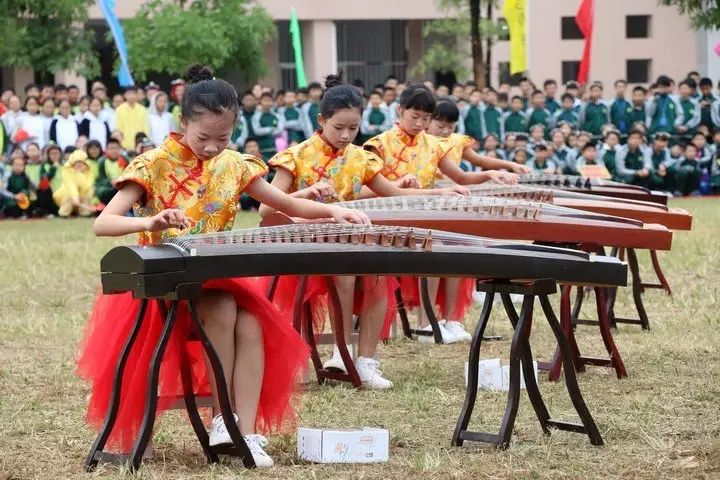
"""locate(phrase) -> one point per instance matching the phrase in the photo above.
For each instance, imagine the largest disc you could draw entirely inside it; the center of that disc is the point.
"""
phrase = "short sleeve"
(253, 168)
(374, 145)
(284, 160)
(373, 166)
(138, 172)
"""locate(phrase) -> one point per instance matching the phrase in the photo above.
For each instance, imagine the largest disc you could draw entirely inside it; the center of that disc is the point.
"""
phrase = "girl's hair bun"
(197, 73)
(333, 80)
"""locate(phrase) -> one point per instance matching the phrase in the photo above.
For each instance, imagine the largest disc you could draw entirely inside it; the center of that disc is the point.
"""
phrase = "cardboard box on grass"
(492, 375)
(365, 445)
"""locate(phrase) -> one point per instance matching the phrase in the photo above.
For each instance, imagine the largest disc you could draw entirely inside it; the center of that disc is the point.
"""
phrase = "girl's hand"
(320, 191)
(345, 215)
(169, 218)
(520, 169)
(498, 176)
(457, 190)
(407, 181)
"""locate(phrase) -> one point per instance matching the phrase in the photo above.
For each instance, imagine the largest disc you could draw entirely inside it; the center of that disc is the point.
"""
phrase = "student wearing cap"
(595, 113)
(541, 162)
(537, 113)
(634, 164)
(566, 113)
(662, 177)
(663, 112)
(516, 119)
(620, 109)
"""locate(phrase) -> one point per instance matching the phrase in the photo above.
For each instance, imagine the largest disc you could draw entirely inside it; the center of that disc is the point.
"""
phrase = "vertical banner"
(297, 49)
(108, 8)
(514, 12)
(584, 19)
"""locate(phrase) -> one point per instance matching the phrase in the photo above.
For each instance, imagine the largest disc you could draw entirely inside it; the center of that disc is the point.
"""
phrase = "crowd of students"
(61, 152)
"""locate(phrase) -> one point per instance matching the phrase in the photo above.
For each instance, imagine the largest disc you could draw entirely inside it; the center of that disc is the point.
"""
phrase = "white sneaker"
(335, 364)
(218, 431)
(369, 371)
(256, 443)
(447, 336)
(458, 329)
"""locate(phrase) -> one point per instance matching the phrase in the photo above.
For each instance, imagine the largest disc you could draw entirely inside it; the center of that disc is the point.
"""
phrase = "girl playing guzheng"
(188, 185)
(408, 148)
(328, 167)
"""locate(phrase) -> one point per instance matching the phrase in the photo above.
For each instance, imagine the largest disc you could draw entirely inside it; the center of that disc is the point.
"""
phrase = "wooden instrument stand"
(520, 352)
(189, 293)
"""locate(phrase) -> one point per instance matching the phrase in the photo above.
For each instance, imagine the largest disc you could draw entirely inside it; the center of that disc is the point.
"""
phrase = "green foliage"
(166, 37)
(704, 14)
(448, 38)
(47, 36)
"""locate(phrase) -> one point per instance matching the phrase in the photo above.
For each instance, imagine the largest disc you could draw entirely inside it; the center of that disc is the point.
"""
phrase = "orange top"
(315, 160)
(206, 191)
(404, 154)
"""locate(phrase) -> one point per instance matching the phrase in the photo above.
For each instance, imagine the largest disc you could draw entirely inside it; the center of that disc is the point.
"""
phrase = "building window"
(569, 29)
(637, 26)
(286, 56)
(570, 69)
(638, 71)
(504, 30)
(505, 77)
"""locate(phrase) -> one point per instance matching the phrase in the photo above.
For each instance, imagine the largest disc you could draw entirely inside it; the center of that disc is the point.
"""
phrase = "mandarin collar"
(404, 136)
(179, 151)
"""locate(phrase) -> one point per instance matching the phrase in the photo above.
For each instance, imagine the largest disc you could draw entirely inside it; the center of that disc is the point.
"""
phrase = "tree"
(703, 13)
(168, 35)
(47, 36)
(447, 50)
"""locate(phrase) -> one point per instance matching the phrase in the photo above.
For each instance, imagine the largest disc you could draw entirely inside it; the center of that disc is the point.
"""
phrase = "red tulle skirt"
(411, 297)
(368, 291)
(110, 323)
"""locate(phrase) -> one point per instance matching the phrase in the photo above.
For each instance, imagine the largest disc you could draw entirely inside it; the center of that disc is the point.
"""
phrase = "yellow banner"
(514, 12)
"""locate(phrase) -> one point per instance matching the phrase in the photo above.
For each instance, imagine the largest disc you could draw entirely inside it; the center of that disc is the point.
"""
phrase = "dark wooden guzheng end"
(594, 186)
(645, 211)
(173, 272)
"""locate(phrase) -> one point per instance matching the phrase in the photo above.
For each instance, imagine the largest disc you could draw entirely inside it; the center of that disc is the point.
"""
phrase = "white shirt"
(34, 125)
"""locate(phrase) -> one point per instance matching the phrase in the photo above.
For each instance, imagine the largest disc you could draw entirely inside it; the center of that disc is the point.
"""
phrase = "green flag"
(297, 48)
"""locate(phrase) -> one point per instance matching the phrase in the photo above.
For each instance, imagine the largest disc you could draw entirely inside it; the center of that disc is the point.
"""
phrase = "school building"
(371, 39)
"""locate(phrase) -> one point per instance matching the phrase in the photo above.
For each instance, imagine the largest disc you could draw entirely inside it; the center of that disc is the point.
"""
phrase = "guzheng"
(333, 249)
(594, 186)
(646, 212)
(506, 218)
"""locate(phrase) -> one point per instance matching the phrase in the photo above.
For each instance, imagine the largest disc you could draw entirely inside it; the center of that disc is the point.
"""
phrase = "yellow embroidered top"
(455, 144)
(206, 191)
(315, 160)
(404, 154)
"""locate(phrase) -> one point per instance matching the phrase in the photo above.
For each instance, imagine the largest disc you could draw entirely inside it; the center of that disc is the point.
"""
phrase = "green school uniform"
(638, 114)
(687, 176)
(292, 114)
(473, 123)
(569, 116)
(491, 121)
(516, 122)
(621, 115)
(656, 180)
(595, 116)
(248, 118)
(108, 171)
(689, 108)
(541, 116)
(663, 120)
(552, 105)
(267, 142)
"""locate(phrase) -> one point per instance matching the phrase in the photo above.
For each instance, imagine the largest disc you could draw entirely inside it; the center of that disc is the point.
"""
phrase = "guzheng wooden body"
(594, 186)
(507, 219)
(332, 249)
(646, 212)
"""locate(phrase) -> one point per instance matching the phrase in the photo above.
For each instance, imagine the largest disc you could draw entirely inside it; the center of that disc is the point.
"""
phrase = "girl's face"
(80, 166)
(161, 102)
(117, 100)
(699, 141)
(95, 106)
(54, 155)
(14, 103)
(441, 128)
(84, 105)
(537, 134)
(33, 153)
(207, 134)
(94, 152)
(413, 121)
(521, 157)
(48, 108)
(510, 142)
(18, 166)
(612, 140)
(558, 138)
(65, 108)
(342, 128)
(32, 106)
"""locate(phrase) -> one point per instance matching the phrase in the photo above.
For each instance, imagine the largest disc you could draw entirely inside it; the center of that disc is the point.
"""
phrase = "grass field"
(661, 422)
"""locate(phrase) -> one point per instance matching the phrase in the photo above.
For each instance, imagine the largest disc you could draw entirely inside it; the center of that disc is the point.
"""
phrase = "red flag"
(584, 20)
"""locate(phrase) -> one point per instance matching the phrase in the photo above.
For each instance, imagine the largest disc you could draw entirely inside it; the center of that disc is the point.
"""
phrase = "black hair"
(619, 81)
(31, 97)
(549, 81)
(314, 86)
(60, 87)
(689, 82)
(52, 146)
(205, 93)
(140, 137)
(536, 92)
(418, 97)
(93, 143)
(612, 132)
(636, 131)
(653, 86)
(640, 88)
(64, 100)
(358, 83)
(131, 88)
(664, 81)
(596, 85)
(502, 97)
(567, 96)
(516, 97)
(338, 96)
(705, 82)
(390, 77)
(374, 92)
(86, 97)
(73, 86)
(266, 95)
(30, 86)
(303, 90)
(388, 89)
(690, 145)
(587, 145)
(698, 133)
(48, 99)
(282, 91)
(112, 140)
(31, 144)
(690, 74)
(446, 111)
(69, 149)
(251, 140)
